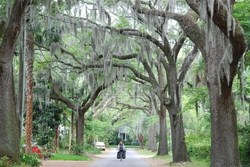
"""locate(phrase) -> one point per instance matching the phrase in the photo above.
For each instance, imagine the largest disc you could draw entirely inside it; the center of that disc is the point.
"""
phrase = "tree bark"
(9, 129)
(152, 143)
(57, 135)
(224, 151)
(71, 133)
(163, 143)
(224, 142)
(29, 93)
(80, 129)
(179, 148)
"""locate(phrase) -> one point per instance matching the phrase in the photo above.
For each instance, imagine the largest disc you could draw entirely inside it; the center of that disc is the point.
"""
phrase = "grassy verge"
(65, 156)
(167, 159)
(145, 152)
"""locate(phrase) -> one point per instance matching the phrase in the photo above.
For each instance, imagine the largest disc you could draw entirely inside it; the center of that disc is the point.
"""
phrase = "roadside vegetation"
(170, 78)
(167, 160)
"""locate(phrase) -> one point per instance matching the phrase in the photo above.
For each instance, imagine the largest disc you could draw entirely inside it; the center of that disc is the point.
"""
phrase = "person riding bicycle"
(121, 148)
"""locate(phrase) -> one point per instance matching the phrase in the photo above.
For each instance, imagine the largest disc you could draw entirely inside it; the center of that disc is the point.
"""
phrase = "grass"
(145, 152)
(65, 156)
(168, 160)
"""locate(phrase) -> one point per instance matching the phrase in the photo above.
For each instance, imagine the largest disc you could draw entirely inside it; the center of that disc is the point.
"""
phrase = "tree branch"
(128, 106)
(187, 22)
(178, 45)
(91, 99)
(57, 95)
(234, 32)
(186, 64)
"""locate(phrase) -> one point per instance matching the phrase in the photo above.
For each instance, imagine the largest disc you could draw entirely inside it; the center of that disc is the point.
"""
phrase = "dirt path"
(57, 163)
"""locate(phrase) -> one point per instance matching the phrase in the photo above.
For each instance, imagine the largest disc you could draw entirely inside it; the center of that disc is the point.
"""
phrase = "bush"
(31, 160)
(91, 149)
(199, 151)
(199, 146)
(5, 162)
(244, 136)
(77, 150)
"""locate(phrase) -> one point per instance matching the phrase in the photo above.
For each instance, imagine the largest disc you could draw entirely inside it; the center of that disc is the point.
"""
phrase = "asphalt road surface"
(109, 160)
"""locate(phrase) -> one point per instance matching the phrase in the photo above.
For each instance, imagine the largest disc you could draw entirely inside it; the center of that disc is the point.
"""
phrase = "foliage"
(198, 141)
(3, 8)
(98, 130)
(31, 160)
(91, 149)
(5, 162)
(198, 146)
(82, 150)
(87, 148)
(77, 149)
(45, 120)
(198, 94)
(122, 23)
(242, 13)
(244, 135)
(113, 140)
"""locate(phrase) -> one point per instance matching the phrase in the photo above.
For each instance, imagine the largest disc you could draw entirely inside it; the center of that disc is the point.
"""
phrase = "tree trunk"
(71, 132)
(80, 129)
(225, 46)
(21, 79)
(224, 151)
(141, 140)
(57, 134)
(179, 148)
(152, 143)
(21, 92)
(163, 144)
(224, 142)
(29, 93)
(9, 131)
(196, 108)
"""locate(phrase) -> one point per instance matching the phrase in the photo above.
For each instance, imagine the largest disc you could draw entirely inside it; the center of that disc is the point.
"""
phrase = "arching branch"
(186, 64)
(58, 96)
(187, 23)
(128, 106)
(220, 18)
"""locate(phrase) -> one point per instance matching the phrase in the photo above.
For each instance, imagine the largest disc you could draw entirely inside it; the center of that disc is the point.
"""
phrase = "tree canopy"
(164, 66)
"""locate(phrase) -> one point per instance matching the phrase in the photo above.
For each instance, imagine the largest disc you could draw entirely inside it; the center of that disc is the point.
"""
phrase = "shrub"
(5, 162)
(31, 160)
(198, 146)
(77, 150)
(244, 135)
(199, 151)
(91, 149)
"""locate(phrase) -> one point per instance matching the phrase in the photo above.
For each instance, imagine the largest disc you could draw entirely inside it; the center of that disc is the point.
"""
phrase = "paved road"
(109, 160)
